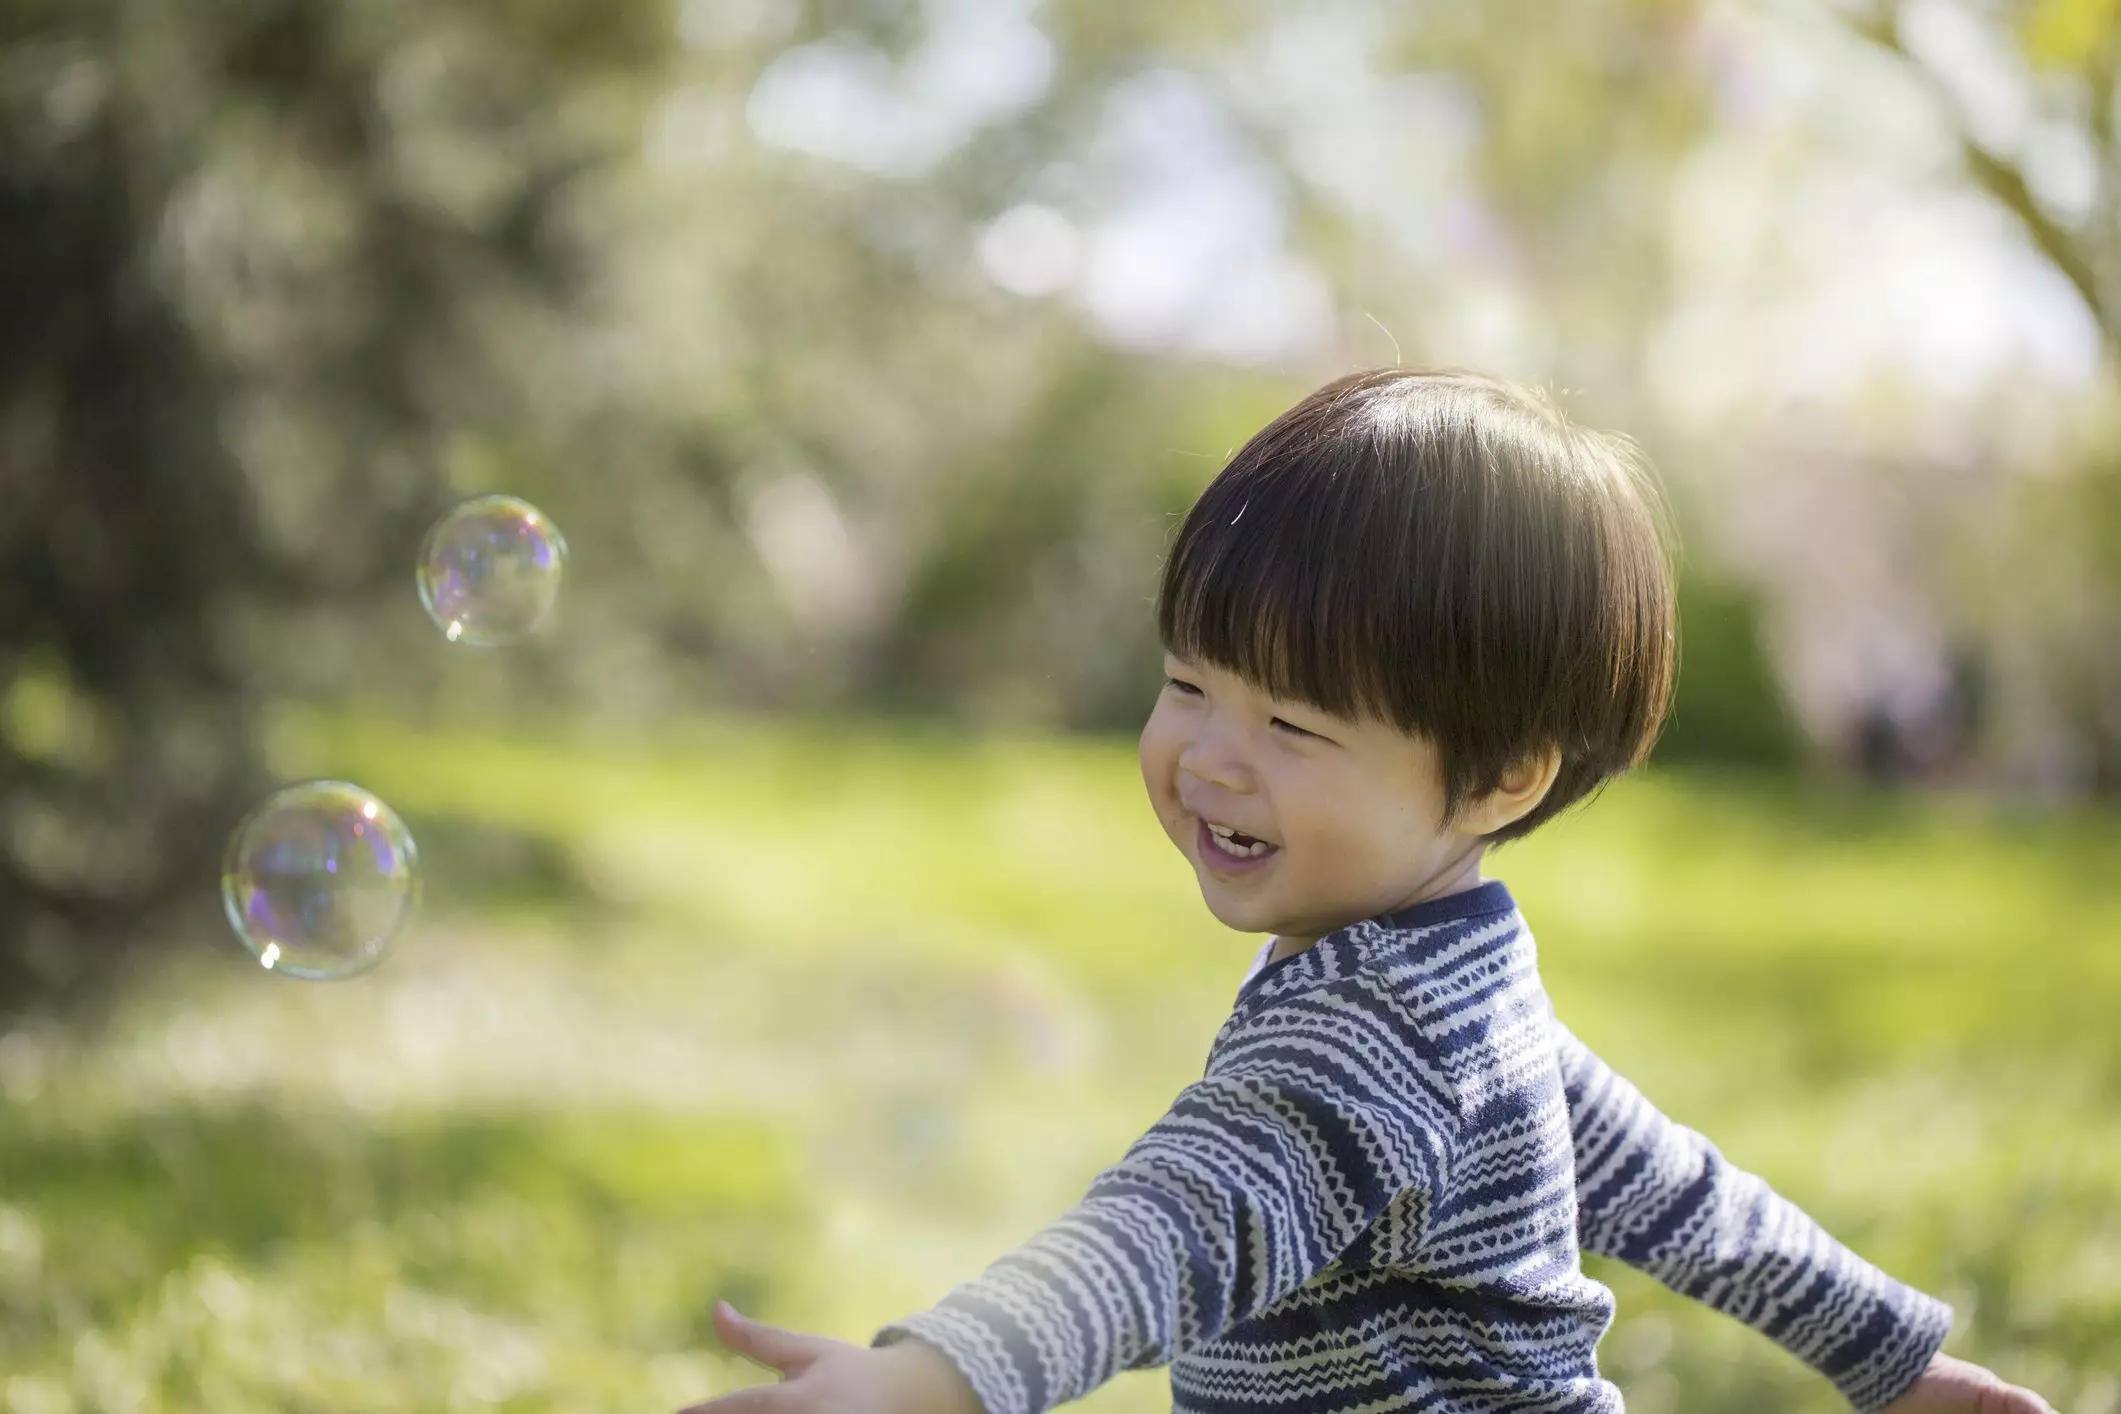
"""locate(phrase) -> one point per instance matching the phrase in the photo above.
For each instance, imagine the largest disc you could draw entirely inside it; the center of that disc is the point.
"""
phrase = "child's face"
(1350, 812)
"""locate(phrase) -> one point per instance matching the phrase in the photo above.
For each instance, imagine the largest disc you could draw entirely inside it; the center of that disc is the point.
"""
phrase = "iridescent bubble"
(319, 879)
(490, 571)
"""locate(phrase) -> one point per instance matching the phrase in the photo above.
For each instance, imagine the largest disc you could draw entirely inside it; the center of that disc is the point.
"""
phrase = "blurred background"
(793, 928)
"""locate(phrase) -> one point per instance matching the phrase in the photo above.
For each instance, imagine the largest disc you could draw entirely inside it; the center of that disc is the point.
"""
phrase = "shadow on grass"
(620, 1229)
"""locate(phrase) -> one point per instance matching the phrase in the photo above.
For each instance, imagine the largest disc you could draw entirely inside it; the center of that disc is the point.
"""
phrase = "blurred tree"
(1729, 708)
(251, 256)
(2049, 153)
(2031, 92)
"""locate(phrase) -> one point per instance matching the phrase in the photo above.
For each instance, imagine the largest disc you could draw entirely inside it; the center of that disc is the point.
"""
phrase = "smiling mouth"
(1225, 847)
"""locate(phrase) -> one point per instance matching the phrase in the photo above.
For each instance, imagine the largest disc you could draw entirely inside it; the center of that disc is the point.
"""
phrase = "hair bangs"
(1273, 580)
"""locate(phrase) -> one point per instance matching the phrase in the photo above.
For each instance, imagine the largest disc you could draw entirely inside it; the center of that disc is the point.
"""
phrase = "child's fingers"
(1993, 1396)
(785, 1351)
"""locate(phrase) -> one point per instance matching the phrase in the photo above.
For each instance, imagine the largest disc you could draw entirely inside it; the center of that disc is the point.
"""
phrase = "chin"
(1237, 917)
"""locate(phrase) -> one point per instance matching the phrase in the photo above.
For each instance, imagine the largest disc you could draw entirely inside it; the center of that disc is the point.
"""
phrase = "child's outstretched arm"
(1660, 1197)
(1257, 1177)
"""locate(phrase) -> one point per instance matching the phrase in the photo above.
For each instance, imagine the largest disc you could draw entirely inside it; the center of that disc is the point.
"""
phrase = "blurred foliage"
(1729, 705)
(249, 251)
(515, 1165)
(285, 277)
(2068, 52)
(2060, 62)
(2030, 92)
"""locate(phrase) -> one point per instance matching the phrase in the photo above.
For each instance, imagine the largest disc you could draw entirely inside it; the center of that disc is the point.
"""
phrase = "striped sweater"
(1375, 1200)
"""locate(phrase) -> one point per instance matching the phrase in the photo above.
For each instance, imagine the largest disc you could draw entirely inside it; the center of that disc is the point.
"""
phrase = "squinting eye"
(1291, 727)
(1180, 685)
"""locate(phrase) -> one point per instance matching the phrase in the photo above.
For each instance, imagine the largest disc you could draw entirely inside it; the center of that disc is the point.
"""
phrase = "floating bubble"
(319, 879)
(490, 571)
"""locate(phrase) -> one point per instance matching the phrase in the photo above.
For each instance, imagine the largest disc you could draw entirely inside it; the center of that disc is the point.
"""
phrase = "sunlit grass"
(825, 1018)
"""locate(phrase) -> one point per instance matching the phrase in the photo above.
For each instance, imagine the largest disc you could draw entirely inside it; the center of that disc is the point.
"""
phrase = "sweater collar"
(1339, 952)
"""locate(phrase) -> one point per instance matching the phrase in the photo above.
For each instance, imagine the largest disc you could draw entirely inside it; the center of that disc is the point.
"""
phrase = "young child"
(1417, 616)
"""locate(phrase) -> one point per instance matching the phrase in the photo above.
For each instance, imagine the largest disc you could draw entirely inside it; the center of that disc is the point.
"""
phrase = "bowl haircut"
(1445, 553)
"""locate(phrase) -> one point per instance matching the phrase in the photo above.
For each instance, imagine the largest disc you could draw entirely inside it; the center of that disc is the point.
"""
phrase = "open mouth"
(1229, 847)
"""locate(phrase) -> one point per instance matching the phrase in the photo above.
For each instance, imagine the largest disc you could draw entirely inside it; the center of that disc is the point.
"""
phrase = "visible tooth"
(1224, 830)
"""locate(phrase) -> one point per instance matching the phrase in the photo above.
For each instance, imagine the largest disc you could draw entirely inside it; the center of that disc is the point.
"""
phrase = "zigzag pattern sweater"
(1374, 1199)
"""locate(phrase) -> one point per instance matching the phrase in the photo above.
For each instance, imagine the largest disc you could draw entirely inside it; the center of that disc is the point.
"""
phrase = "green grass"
(825, 1018)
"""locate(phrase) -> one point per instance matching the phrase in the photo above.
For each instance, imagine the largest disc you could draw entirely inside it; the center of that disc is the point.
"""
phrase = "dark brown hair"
(1445, 553)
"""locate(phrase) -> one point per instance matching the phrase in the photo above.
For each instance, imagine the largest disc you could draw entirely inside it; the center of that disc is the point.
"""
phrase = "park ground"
(822, 1018)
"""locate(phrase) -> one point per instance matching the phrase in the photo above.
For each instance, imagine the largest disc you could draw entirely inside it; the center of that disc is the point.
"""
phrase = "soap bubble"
(490, 571)
(319, 879)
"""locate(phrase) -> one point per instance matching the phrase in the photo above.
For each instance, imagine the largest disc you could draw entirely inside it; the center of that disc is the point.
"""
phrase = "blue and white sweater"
(1374, 1200)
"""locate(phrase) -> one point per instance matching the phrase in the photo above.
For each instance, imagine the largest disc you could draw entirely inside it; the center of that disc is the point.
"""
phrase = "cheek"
(1329, 818)
(1310, 821)
(1159, 758)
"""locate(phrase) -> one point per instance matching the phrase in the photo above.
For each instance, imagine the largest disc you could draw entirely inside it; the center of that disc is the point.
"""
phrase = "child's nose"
(1215, 760)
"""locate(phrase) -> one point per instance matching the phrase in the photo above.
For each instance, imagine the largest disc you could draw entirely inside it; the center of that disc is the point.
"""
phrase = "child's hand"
(1951, 1386)
(820, 1376)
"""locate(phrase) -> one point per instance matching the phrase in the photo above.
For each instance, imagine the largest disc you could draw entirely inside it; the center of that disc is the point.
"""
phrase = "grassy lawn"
(823, 1019)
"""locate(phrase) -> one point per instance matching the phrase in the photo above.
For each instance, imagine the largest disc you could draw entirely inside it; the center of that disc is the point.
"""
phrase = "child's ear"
(1523, 785)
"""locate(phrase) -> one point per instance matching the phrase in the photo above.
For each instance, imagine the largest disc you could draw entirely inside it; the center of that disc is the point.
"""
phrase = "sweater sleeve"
(1660, 1197)
(1255, 1180)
